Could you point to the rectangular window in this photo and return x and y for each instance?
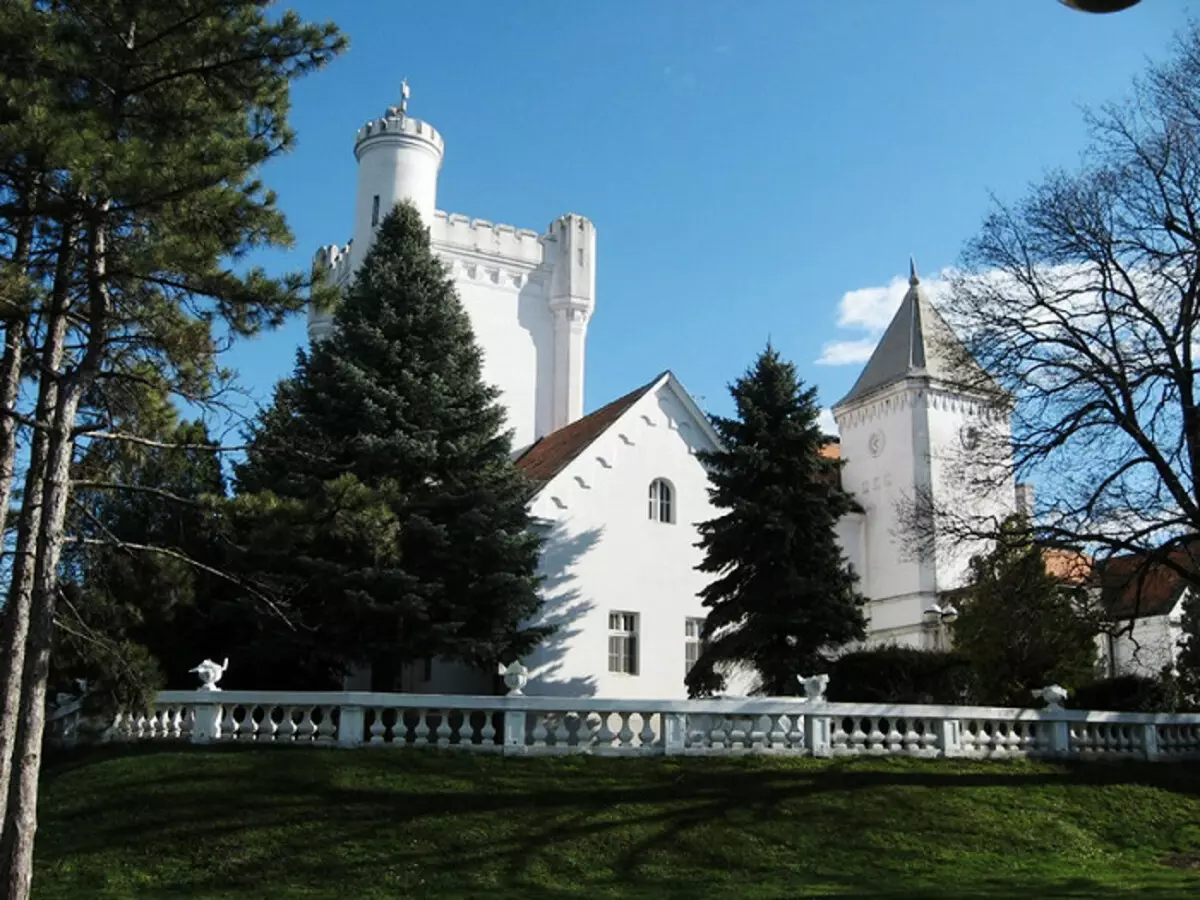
(375, 211)
(622, 642)
(691, 644)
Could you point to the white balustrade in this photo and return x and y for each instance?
(524, 725)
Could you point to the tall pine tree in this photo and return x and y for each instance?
(783, 591)
(395, 520)
(140, 125)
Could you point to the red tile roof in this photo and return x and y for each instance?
(1134, 589)
(549, 455)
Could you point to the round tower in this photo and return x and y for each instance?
(398, 159)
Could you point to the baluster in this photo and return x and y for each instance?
(794, 731)
(717, 736)
(1015, 738)
(971, 737)
(260, 728)
(625, 735)
(646, 737)
(756, 735)
(895, 738)
(562, 734)
(540, 731)
(605, 736)
(858, 737)
(1000, 731)
(1083, 737)
(287, 726)
(443, 729)
(777, 736)
(326, 730)
(421, 738)
(875, 738)
(487, 736)
(377, 728)
(308, 729)
(466, 729)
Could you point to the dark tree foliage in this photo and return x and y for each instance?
(130, 136)
(782, 590)
(1022, 627)
(380, 485)
(900, 675)
(1130, 693)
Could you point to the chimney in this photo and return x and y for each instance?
(1024, 499)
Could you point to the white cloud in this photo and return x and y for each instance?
(842, 353)
(868, 311)
(871, 308)
(825, 420)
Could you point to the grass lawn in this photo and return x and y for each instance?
(235, 822)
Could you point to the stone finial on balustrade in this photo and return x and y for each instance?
(814, 687)
(516, 676)
(210, 673)
(1053, 694)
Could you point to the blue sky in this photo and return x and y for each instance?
(754, 169)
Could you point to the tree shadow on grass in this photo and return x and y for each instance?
(412, 822)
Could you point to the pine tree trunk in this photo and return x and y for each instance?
(14, 635)
(16, 850)
(10, 374)
(27, 756)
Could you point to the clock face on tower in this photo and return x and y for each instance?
(969, 435)
(875, 443)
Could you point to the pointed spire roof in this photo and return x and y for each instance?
(918, 344)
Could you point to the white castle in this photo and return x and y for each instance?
(620, 490)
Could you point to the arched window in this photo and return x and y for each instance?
(662, 501)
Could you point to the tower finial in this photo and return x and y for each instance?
(404, 95)
(912, 272)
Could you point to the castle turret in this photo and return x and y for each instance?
(924, 425)
(398, 159)
(572, 299)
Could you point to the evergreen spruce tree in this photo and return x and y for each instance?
(1021, 627)
(381, 484)
(782, 590)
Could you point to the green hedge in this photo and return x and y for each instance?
(900, 675)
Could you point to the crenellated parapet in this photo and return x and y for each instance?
(334, 260)
(396, 124)
(462, 234)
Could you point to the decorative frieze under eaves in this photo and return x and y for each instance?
(487, 270)
(916, 396)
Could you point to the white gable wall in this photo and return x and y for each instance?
(1148, 647)
(605, 554)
